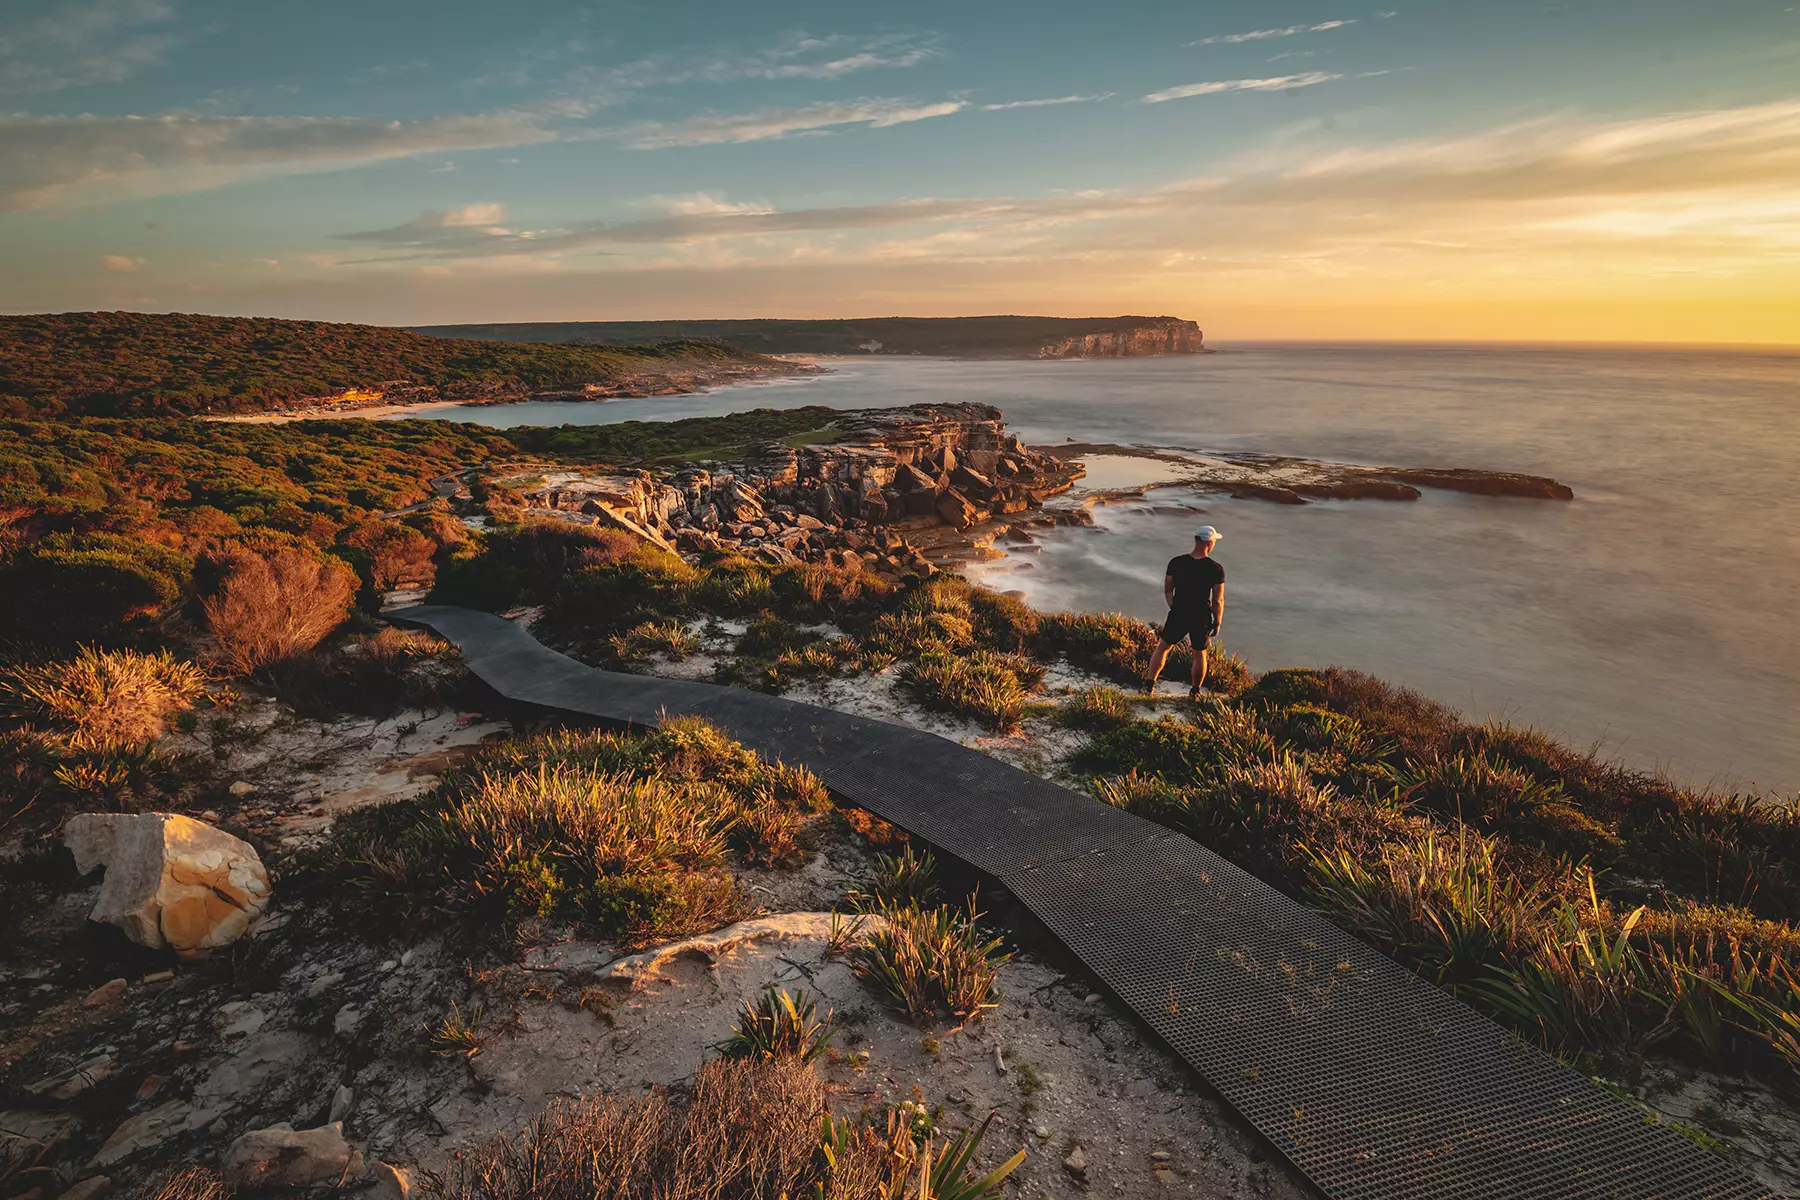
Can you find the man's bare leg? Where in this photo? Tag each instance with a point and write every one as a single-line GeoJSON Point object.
{"type": "Point", "coordinates": [1156, 664]}
{"type": "Point", "coordinates": [1199, 675]}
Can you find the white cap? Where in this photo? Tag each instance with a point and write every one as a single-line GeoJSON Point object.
{"type": "Point", "coordinates": [1206, 533]}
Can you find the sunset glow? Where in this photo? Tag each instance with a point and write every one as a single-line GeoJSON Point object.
{"type": "Point", "coordinates": [1600, 171]}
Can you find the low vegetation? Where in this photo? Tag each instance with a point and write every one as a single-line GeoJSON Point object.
{"type": "Point", "coordinates": [630, 837]}
{"type": "Point", "coordinates": [778, 1024]}
{"type": "Point", "coordinates": [115, 363]}
{"type": "Point", "coordinates": [751, 1129]}
{"type": "Point", "coordinates": [930, 961]}
{"type": "Point", "coordinates": [1497, 863]}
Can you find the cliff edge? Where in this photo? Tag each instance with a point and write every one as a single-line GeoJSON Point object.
{"type": "Point", "coordinates": [948, 337]}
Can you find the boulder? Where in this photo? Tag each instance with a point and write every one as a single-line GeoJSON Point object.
{"type": "Point", "coordinates": [170, 880]}
{"type": "Point", "coordinates": [956, 510]}
{"type": "Point", "coordinates": [280, 1156]}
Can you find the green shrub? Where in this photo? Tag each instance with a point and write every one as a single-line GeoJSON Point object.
{"type": "Point", "coordinates": [1111, 645]}
{"type": "Point", "coordinates": [1448, 906]}
{"type": "Point", "coordinates": [1180, 748]}
{"type": "Point", "coordinates": [653, 637]}
{"type": "Point", "coordinates": [87, 586]}
{"type": "Point", "coordinates": [905, 878]}
{"type": "Point", "coordinates": [1475, 789]}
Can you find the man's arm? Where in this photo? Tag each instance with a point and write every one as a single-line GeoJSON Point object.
{"type": "Point", "coordinates": [1169, 591]}
{"type": "Point", "coordinates": [1218, 607]}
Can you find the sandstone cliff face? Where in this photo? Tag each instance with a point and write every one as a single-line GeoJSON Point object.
{"type": "Point", "coordinates": [893, 471]}
{"type": "Point", "coordinates": [1165, 335]}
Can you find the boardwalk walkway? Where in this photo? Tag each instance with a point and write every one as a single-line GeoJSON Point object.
{"type": "Point", "coordinates": [1374, 1084]}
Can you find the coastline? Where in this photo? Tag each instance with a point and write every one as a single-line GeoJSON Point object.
{"type": "Point", "coordinates": [378, 409]}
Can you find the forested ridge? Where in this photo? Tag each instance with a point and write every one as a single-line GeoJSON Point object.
{"type": "Point", "coordinates": [179, 364]}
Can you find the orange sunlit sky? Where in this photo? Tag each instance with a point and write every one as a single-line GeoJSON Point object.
{"type": "Point", "coordinates": [1613, 170]}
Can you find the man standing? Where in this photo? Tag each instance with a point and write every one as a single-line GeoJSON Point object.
{"type": "Point", "coordinates": [1194, 588]}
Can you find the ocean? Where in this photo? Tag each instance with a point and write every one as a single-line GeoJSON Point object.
{"type": "Point", "coordinates": [1656, 617]}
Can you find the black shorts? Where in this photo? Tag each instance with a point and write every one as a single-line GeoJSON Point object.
{"type": "Point", "coordinates": [1197, 627]}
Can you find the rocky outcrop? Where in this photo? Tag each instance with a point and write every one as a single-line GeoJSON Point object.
{"type": "Point", "coordinates": [1157, 335]}
{"type": "Point", "coordinates": [170, 880]}
{"type": "Point", "coordinates": [892, 472]}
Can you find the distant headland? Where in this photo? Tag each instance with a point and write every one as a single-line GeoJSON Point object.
{"type": "Point", "coordinates": [956, 337]}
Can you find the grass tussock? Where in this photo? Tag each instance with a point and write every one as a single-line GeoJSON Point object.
{"type": "Point", "coordinates": [90, 731]}
{"type": "Point", "coordinates": [104, 699]}
{"type": "Point", "coordinates": [931, 961]}
{"type": "Point", "coordinates": [991, 688]}
{"type": "Point", "coordinates": [779, 1024]}
{"type": "Point", "coordinates": [630, 836]}
{"type": "Point", "coordinates": [752, 1129]}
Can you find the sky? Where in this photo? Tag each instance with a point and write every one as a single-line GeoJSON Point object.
{"type": "Point", "coordinates": [1608, 170]}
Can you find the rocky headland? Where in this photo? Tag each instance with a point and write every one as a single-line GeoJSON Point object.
{"type": "Point", "coordinates": [954, 337]}
{"type": "Point", "coordinates": [892, 483]}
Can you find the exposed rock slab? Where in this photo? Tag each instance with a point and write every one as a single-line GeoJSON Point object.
{"type": "Point", "coordinates": [281, 1156]}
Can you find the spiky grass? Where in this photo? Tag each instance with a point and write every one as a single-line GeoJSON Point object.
{"type": "Point", "coordinates": [931, 961]}
{"type": "Point", "coordinates": [106, 700]}
{"type": "Point", "coordinates": [779, 1024]}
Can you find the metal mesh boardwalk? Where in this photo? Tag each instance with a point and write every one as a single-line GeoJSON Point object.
{"type": "Point", "coordinates": [1375, 1084]}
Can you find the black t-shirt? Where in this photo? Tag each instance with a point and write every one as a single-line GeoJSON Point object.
{"type": "Point", "coordinates": [1195, 579]}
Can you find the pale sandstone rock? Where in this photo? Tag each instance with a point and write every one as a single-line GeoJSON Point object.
{"type": "Point", "coordinates": [280, 1156]}
{"type": "Point", "coordinates": [170, 880]}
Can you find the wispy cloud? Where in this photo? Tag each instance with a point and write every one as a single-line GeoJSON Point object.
{"type": "Point", "coordinates": [1046, 103]}
{"type": "Point", "coordinates": [705, 204]}
{"type": "Point", "coordinates": [1258, 35]}
{"type": "Point", "coordinates": [46, 161]}
{"type": "Point", "coordinates": [83, 42]}
{"type": "Point", "coordinates": [1278, 83]}
{"type": "Point", "coordinates": [767, 124]}
{"type": "Point", "coordinates": [588, 87]}
{"type": "Point", "coordinates": [1561, 198]}
{"type": "Point", "coordinates": [121, 262]}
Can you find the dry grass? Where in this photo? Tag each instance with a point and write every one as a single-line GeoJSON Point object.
{"type": "Point", "coordinates": [191, 1183]}
{"type": "Point", "coordinates": [988, 687]}
{"type": "Point", "coordinates": [104, 699]}
{"type": "Point", "coordinates": [755, 1129]}
{"type": "Point", "coordinates": [270, 608]}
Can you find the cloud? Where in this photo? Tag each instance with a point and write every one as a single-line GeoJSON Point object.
{"type": "Point", "coordinates": [1054, 100]}
{"type": "Point", "coordinates": [770, 123]}
{"type": "Point", "coordinates": [1257, 35]}
{"type": "Point", "coordinates": [79, 43]}
{"type": "Point", "coordinates": [798, 56]}
{"type": "Point", "coordinates": [1279, 83]}
{"type": "Point", "coordinates": [1553, 204]}
{"type": "Point", "coordinates": [120, 262]}
{"type": "Point", "coordinates": [705, 204]}
{"type": "Point", "coordinates": [50, 161]}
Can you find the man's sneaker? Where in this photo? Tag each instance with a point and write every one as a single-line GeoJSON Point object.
{"type": "Point", "coordinates": [1194, 692]}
